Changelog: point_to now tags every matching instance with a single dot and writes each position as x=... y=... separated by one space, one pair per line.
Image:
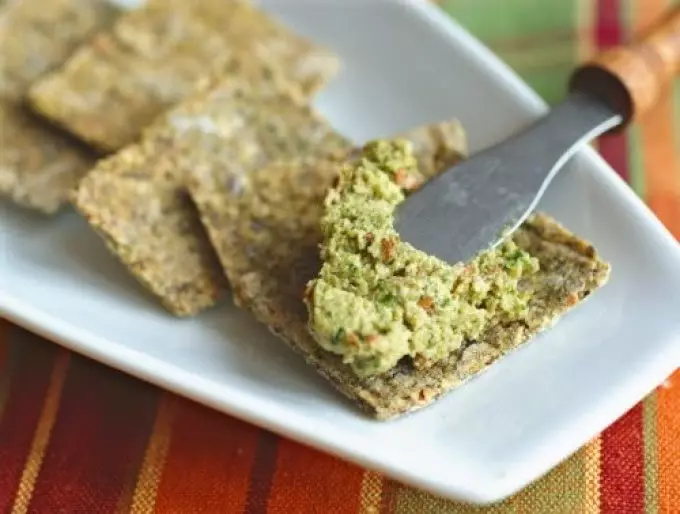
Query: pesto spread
x=377 y=299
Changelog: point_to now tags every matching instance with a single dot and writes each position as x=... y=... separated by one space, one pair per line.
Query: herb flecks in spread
x=378 y=299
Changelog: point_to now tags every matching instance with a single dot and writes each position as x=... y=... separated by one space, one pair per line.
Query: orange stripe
x=668 y=434
x=41 y=438
x=306 y=479
x=662 y=184
x=662 y=166
x=208 y=462
x=144 y=497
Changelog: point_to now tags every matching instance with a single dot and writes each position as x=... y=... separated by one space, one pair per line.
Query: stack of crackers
x=183 y=132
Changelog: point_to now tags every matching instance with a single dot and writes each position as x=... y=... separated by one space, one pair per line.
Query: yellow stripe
x=591 y=462
x=144 y=498
x=650 y=454
x=585 y=46
x=371 y=493
x=42 y=434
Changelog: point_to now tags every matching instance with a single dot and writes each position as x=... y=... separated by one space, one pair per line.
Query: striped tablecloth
x=78 y=437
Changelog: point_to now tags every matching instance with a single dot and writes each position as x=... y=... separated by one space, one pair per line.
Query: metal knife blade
x=471 y=206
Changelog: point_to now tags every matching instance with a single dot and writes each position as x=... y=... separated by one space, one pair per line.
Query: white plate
x=405 y=63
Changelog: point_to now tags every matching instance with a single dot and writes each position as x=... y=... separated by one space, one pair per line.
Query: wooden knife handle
x=630 y=78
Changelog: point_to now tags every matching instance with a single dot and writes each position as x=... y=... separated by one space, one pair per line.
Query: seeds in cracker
x=268 y=245
x=39 y=165
x=135 y=198
x=111 y=89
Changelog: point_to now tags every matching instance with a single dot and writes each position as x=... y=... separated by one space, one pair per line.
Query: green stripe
x=636 y=167
x=559 y=492
x=546 y=67
x=537 y=41
x=503 y=19
x=627 y=16
x=411 y=501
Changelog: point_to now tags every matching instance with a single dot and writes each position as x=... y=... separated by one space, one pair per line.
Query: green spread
x=378 y=299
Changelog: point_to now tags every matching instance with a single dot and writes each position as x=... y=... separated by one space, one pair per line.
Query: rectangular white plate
x=405 y=64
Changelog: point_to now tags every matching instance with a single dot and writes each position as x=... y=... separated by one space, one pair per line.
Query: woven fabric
x=76 y=436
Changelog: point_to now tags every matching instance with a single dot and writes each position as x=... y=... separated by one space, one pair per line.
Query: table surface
x=76 y=436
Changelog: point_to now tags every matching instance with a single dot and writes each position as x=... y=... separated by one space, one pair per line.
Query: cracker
x=268 y=244
x=36 y=36
x=111 y=89
x=135 y=199
x=39 y=165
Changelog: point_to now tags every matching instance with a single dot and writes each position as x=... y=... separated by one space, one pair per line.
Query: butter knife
x=474 y=205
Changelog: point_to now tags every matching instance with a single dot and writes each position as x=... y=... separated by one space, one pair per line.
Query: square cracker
x=135 y=199
x=267 y=236
x=153 y=56
x=39 y=165
x=36 y=36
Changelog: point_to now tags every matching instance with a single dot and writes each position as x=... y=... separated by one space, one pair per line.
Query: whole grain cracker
x=39 y=165
x=267 y=237
x=111 y=89
x=135 y=199
x=36 y=36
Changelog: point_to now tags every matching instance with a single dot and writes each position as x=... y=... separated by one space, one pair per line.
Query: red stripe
x=622 y=479
x=306 y=479
x=262 y=474
x=388 y=501
x=609 y=32
x=30 y=363
x=4 y=344
x=4 y=363
x=97 y=441
x=614 y=149
x=208 y=462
